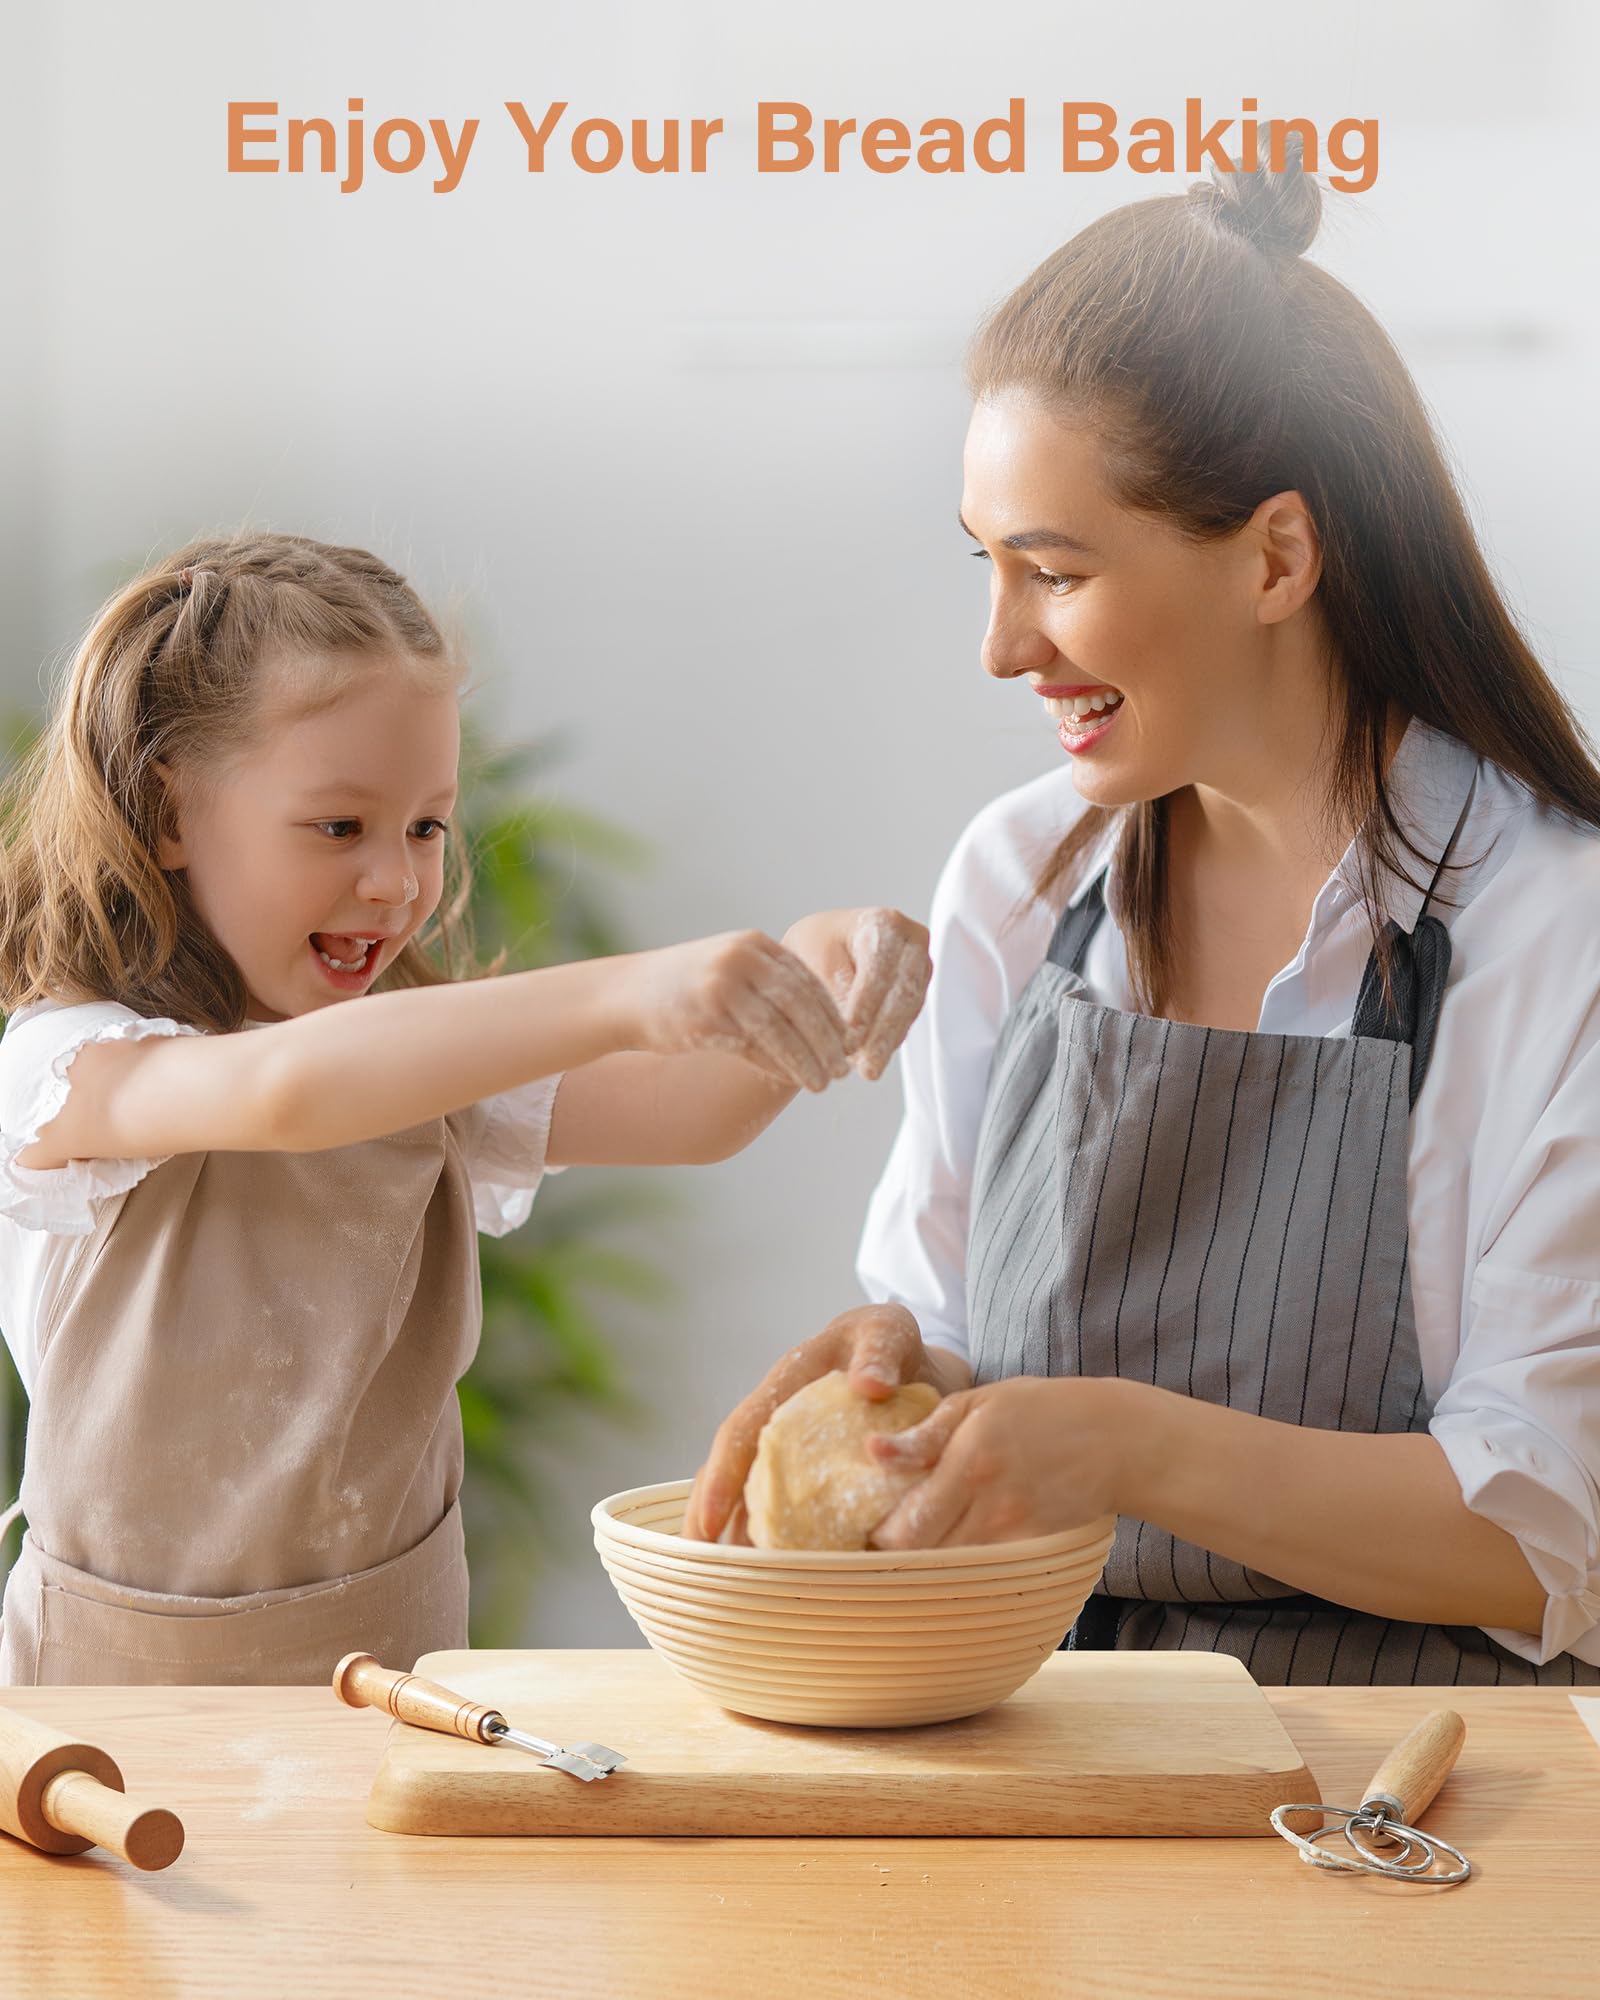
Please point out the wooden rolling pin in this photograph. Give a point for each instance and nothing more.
(64, 1796)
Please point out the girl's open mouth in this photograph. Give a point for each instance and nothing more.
(349, 973)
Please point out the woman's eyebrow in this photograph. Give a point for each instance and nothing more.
(1037, 538)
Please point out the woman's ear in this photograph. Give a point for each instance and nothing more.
(169, 839)
(1291, 552)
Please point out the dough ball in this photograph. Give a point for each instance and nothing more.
(813, 1484)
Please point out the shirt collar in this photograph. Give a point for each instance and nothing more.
(1099, 863)
(1427, 780)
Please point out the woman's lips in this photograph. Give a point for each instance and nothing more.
(1076, 741)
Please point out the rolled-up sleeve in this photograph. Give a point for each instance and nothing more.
(1519, 1419)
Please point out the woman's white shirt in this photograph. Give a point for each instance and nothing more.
(1503, 1178)
(52, 1219)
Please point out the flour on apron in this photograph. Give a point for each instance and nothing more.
(244, 1448)
(1224, 1215)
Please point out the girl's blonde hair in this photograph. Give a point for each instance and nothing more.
(188, 666)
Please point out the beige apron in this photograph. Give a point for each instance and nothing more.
(244, 1446)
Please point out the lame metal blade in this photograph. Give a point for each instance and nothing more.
(575, 1760)
(597, 1753)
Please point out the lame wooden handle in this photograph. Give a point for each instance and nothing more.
(362, 1683)
(1408, 1779)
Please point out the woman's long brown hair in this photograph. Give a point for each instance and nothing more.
(189, 665)
(1216, 367)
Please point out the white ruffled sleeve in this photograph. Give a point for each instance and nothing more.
(507, 1160)
(36, 1055)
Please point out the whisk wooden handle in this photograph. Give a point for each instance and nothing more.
(362, 1683)
(63, 1797)
(1406, 1782)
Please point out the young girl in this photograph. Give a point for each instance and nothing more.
(238, 1212)
(1251, 1158)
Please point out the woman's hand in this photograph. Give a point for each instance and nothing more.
(879, 1347)
(742, 994)
(1026, 1456)
(875, 963)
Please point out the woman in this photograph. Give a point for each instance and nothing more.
(1251, 1154)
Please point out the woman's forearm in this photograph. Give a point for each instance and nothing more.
(341, 1074)
(1374, 1522)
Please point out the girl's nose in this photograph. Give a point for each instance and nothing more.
(389, 882)
(1014, 643)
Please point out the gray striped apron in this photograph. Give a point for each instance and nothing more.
(1222, 1214)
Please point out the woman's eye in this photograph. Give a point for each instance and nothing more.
(1048, 577)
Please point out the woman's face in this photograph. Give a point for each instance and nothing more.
(330, 830)
(1188, 647)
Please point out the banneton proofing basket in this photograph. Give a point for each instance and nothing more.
(848, 1639)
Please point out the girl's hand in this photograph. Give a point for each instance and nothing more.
(875, 962)
(879, 1347)
(1026, 1456)
(743, 994)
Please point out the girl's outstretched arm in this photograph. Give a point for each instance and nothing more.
(644, 1110)
(356, 1069)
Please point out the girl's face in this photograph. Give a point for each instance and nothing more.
(1201, 675)
(329, 832)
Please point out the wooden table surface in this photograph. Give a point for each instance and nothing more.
(284, 1890)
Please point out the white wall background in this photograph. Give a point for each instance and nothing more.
(685, 452)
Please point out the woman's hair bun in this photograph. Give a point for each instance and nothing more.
(1278, 212)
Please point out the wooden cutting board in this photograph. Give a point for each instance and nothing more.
(1094, 1743)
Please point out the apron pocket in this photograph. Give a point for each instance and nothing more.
(66, 1627)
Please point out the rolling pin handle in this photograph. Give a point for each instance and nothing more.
(360, 1682)
(1407, 1781)
(76, 1802)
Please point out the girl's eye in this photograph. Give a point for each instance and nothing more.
(1048, 577)
(341, 828)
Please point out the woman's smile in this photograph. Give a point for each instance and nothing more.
(1084, 712)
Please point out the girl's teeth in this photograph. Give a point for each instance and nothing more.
(344, 965)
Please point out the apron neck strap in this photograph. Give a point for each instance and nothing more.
(1079, 921)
